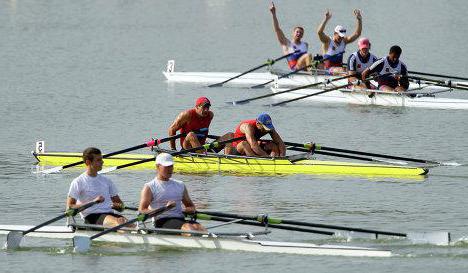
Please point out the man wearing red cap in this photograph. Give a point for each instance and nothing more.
(334, 48)
(191, 121)
(253, 130)
(359, 61)
(297, 60)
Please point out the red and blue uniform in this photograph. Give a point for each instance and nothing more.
(239, 133)
(301, 49)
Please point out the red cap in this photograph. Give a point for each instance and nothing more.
(363, 43)
(202, 101)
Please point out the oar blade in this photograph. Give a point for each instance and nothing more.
(440, 238)
(13, 239)
(81, 243)
(108, 170)
(52, 170)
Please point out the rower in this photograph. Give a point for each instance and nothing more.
(163, 189)
(333, 48)
(91, 186)
(253, 130)
(398, 80)
(359, 61)
(296, 61)
(193, 120)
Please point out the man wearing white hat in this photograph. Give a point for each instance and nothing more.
(359, 61)
(334, 47)
(163, 189)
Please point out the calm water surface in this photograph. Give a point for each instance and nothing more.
(81, 73)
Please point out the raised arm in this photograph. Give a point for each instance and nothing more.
(358, 31)
(181, 119)
(279, 33)
(322, 36)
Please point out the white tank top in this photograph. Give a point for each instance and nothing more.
(355, 61)
(334, 49)
(165, 191)
(387, 68)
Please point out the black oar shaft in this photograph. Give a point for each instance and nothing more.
(437, 75)
(332, 154)
(141, 217)
(276, 221)
(254, 223)
(269, 62)
(65, 214)
(203, 147)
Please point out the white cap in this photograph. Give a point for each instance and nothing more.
(340, 30)
(164, 159)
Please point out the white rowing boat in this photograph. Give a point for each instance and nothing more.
(381, 98)
(234, 242)
(249, 79)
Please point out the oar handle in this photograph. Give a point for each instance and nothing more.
(69, 212)
(140, 218)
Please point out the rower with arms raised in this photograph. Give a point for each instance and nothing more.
(296, 61)
(163, 189)
(253, 130)
(359, 61)
(333, 48)
(91, 186)
(191, 122)
(392, 72)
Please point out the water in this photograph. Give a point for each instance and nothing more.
(82, 73)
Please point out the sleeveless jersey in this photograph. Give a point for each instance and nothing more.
(195, 122)
(358, 64)
(292, 60)
(383, 66)
(165, 191)
(334, 54)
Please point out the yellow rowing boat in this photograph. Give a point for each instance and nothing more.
(214, 163)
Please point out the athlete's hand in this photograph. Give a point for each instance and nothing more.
(328, 15)
(357, 13)
(272, 8)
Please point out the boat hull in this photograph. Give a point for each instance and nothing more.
(219, 243)
(196, 163)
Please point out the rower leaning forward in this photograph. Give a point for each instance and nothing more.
(253, 130)
(164, 189)
(91, 186)
(334, 47)
(360, 61)
(392, 73)
(191, 122)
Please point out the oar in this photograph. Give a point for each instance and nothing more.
(437, 75)
(267, 63)
(207, 146)
(289, 90)
(347, 156)
(14, 237)
(438, 238)
(140, 146)
(318, 147)
(293, 72)
(83, 243)
(203, 216)
(326, 90)
(449, 84)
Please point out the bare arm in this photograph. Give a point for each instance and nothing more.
(279, 33)
(146, 197)
(181, 119)
(189, 205)
(322, 36)
(276, 138)
(71, 202)
(358, 31)
(250, 137)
